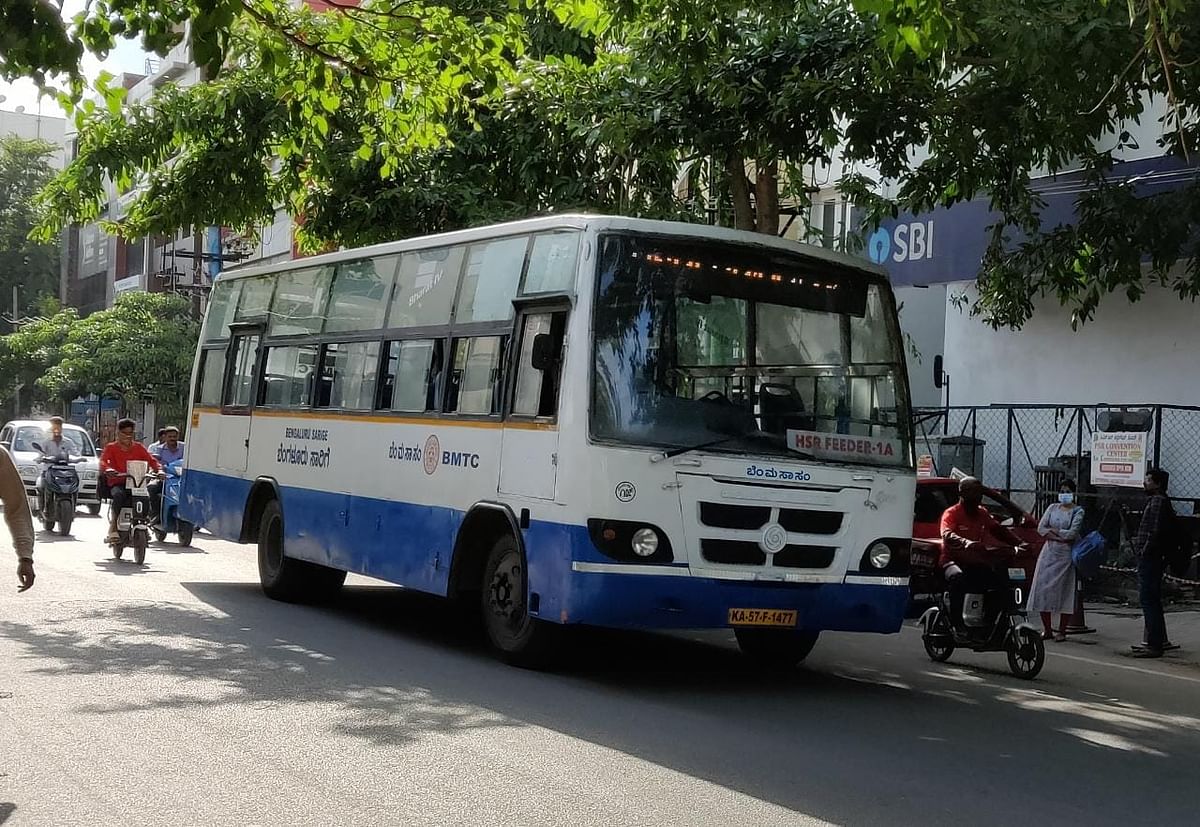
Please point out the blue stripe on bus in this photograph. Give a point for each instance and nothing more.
(412, 545)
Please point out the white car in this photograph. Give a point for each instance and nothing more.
(18, 437)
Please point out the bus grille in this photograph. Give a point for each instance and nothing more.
(754, 517)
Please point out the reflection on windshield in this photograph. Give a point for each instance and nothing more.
(77, 443)
(751, 351)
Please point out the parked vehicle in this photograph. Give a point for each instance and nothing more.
(992, 622)
(62, 492)
(934, 496)
(135, 518)
(18, 437)
(169, 521)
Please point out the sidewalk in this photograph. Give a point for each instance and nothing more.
(1118, 626)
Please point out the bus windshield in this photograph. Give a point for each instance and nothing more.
(743, 349)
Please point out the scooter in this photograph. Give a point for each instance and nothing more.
(992, 622)
(135, 518)
(169, 521)
(60, 481)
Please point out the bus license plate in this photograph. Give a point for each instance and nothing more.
(762, 617)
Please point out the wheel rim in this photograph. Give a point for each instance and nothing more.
(506, 596)
(1024, 652)
(273, 550)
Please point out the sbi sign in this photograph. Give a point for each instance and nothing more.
(904, 242)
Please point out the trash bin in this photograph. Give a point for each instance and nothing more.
(962, 452)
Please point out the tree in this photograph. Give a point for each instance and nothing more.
(28, 355)
(140, 348)
(29, 266)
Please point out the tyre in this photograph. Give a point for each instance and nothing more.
(776, 648)
(938, 639)
(185, 531)
(94, 509)
(518, 637)
(66, 515)
(286, 578)
(1026, 653)
(139, 547)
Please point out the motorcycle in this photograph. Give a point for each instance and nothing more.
(992, 622)
(136, 517)
(61, 485)
(169, 521)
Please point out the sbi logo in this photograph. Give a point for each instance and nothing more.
(911, 242)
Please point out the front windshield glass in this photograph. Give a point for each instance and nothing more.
(78, 443)
(742, 349)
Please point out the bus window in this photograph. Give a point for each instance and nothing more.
(288, 376)
(348, 376)
(221, 306)
(299, 304)
(358, 300)
(537, 388)
(475, 378)
(490, 281)
(410, 375)
(212, 371)
(551, 263)
(255, 300)
(240, 392)
(425, 287)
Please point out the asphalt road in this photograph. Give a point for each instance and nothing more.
(178, 694)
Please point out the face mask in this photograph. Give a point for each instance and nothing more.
(1066, 498)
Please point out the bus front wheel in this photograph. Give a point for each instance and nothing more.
(286, 578)
(776, 648)
(520, 638)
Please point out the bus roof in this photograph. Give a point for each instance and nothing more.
(565, 221)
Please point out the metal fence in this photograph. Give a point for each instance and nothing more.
(1026, 450)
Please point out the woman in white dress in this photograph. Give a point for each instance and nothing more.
(1053, 589)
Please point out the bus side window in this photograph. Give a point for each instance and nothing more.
(476, 375)
(539, 366)
(410, 375)
(348, 376)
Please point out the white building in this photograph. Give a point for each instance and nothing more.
(34, 126)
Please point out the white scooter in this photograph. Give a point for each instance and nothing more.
(134, 521)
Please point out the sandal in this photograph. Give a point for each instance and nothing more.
(113, 537)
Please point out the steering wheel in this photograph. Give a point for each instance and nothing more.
(715, 396)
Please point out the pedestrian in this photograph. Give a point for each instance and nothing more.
(1154, 535)
(18, 517)
(1053, 589)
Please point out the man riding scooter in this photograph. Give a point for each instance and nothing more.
(168, 449)
(970, 540)
(53, 448)
(114, 464)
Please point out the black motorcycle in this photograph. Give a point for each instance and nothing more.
(992, 622)
(60, 482)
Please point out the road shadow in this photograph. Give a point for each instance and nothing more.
(124, 566)
(7, 808)
(838, 739)
(53, 538)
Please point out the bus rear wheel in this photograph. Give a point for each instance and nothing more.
(776, 648)
(518, 637)
(285, 578)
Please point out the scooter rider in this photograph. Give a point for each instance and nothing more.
(114, 464)
(54, 447)
(166, 450)
(969, 539)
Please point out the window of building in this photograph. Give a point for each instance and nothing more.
(490, 280)
(348, 375)
(476, 375)
(425, 287)
(360, 294)
(288, 375)
(299, 303)
(410, 375)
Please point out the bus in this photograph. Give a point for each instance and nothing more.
(566, 420)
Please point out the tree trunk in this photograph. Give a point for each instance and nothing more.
(766, 196)
(739, 191)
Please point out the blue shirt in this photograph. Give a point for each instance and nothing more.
(165, 454)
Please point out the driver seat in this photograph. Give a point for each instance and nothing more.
(781, 408)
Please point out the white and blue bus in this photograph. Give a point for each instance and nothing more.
(570, 420)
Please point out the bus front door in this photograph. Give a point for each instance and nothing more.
(237, 398)
(529, 453)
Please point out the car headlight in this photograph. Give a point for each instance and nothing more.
(27, 470)
(880, 555)
(91, 475)
(645, 542)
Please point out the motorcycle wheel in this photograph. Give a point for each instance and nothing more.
(938, 639)
(1026, 653)
(66, 514)
(185, 533)
(139, 547)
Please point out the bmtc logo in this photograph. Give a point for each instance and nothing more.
(911, 242)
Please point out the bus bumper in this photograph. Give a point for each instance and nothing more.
(682, 601)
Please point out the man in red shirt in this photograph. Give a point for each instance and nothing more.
(113, 465)
(970, 540)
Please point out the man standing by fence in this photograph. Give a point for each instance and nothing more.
(1154, 535)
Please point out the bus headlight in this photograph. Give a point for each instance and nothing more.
(880, 555)
(644, 542)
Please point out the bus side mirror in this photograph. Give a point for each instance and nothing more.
(544, 352)
(939, 375)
